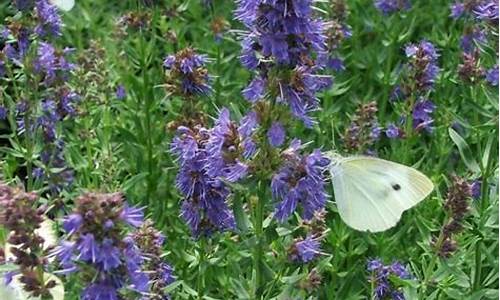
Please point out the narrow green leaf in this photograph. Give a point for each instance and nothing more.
(465, 151)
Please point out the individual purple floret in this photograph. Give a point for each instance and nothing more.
(97, 245)
(187, 74)
(304, 250)
(300, 180)
(391, 6)
(457, 10)
(475, 189)
(120, 93)
(3, 113)
(422, 118)
(392, 131)
(276, 134)
(380, 277)
(492, 76)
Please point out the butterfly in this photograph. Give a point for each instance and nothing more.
(65, 5)
(372, 193)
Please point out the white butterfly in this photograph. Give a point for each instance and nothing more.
(372, 193)
(65, 5)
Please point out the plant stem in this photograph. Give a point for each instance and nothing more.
(387, 79)
(258, 227)
(147, 97)
(409, 129)
(201, 267)
(432, 263)
(482, 207)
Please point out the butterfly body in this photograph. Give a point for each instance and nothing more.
(372, 193)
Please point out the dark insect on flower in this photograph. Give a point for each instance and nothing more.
(19, 215)
(187, 74)
(300, 180)
(380, 278)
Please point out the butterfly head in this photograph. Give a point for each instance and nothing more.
(334, 157)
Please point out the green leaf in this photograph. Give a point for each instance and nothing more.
(238, 288)
(173, 286)
(465, 151)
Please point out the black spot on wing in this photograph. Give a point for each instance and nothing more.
(396, 187)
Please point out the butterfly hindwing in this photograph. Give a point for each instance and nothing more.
(372, 193)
